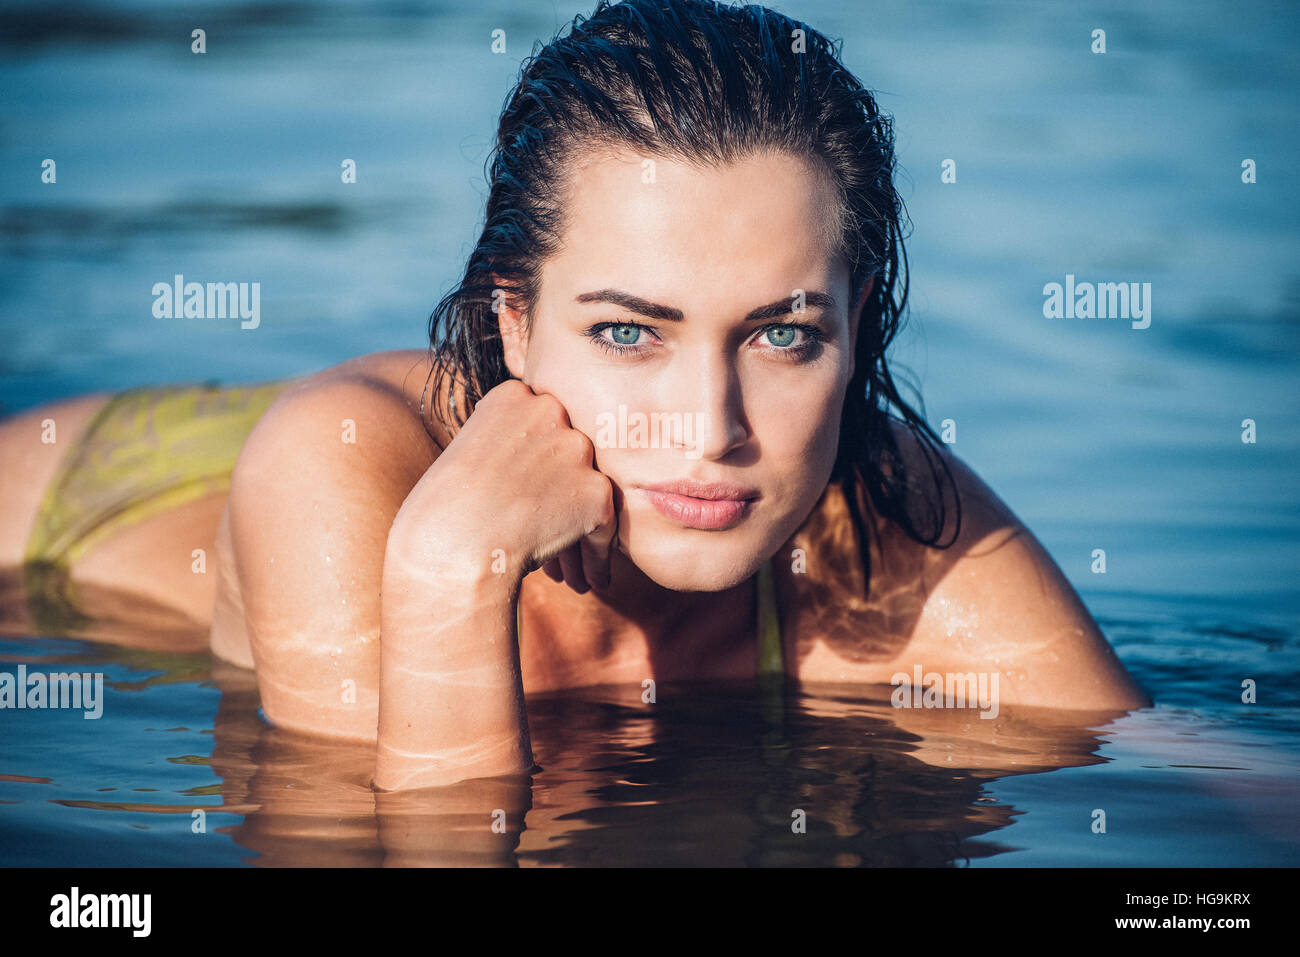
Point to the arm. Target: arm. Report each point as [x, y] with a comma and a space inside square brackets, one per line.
[451, 695]
[1003, 604]
[379, 576]
[451, 703]
[309, 517]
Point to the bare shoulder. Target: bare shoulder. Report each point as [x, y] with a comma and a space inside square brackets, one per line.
[997, 601]
[404, 375]
[313, 495]
[351, 435]
[984, 597]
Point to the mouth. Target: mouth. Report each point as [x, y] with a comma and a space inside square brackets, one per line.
[710, 506]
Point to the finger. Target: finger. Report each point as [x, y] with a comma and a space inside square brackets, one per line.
[571, 562]
[553, 570]
[595, 550]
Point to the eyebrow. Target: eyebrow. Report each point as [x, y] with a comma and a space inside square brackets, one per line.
[654, 310]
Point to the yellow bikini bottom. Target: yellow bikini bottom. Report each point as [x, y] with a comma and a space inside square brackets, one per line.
[146, 451]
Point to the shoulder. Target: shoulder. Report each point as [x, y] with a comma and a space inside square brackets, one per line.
[995, 600]
[398, 382]
[370, 411]
[348, 437]
[984, 597]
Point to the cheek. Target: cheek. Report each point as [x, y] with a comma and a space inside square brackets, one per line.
[590, 391]
[804, 429]
[555, 367]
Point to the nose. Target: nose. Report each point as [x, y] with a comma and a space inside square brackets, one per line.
[718, 413]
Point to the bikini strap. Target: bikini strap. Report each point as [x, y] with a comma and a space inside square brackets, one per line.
[769, 625]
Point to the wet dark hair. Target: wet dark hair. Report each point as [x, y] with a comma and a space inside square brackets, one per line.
[708, 83]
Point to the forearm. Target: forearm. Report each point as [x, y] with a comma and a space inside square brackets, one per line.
[451, 703]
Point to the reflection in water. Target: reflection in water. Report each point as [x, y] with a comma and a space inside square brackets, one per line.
[703, 777]
[709, 775]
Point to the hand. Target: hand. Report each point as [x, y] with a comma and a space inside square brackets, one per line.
[518, 478]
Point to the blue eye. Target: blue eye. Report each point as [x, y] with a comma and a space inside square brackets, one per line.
[625, 335]
[624, 338]
[781, 335]
[782, 344]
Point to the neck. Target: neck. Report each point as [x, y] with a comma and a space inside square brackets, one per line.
[634, 616]
[634, 595]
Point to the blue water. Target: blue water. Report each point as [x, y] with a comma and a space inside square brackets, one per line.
[1119, 167]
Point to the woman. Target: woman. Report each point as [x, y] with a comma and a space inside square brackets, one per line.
[671, 338]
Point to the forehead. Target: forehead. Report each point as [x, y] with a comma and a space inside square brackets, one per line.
[696, 237]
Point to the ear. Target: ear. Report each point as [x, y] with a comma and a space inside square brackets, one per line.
[514, 338]
[855, 321]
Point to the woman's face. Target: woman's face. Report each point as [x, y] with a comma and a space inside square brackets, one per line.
[643, 331]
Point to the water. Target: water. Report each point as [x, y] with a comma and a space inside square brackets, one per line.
[709, 774]
[1122, 167]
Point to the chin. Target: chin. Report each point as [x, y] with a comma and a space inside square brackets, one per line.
[697, 566]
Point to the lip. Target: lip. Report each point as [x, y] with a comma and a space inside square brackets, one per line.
[711, 506]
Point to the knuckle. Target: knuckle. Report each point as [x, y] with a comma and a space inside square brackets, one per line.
[508, 389]
[582, 445]
[552, 410]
